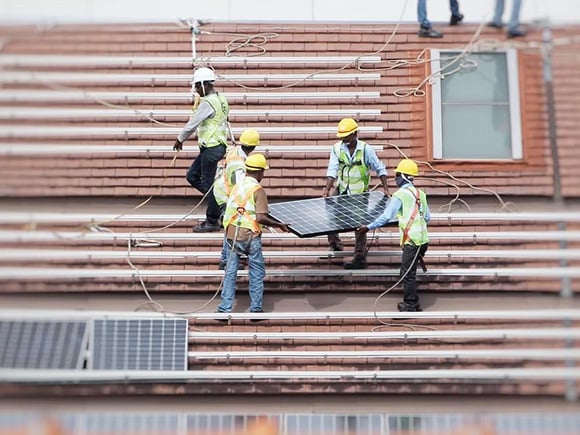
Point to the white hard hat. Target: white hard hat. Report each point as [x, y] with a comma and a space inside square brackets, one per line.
[203, 75]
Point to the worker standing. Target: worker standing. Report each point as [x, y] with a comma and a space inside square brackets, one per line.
[210, 120]
[348, 173]
[232, 173]
[409, 205]
[246, 212]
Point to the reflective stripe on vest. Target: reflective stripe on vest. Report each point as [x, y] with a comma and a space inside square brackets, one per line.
[353, 174]
[226, 174]
[241, 208]
[412, 219]
[213, 131]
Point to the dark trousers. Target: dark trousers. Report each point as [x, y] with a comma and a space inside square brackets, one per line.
[410, 258]
[201, 174]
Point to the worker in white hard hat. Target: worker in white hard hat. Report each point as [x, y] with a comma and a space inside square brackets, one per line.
[210, 120]
[349, 166]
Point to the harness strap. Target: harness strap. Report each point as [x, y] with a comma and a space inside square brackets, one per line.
[412, 218]
[241, 210]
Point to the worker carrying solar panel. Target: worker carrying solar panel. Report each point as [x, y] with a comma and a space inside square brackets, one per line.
[409, 206]
[349, 166]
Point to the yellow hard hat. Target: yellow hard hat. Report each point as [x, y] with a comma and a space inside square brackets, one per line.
[256, 162]
[346, 127]
[408, 167]
[250, 138]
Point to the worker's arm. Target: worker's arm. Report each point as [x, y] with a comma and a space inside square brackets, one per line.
[331, 173]
[264, 219]
[203, 112]
[387, 216]
[372, 161]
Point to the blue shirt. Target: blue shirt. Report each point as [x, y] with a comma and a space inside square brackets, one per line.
[371, 160]
[391, 211]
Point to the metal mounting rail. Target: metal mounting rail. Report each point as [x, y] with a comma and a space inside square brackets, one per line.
[106, 376]
[566, 216]
[451, 254]
[78, 113]
[27, 77]
[48, 236]
[47, 149]
[37, 95]
[44, 60]
[50, 131]
[547, 314]
[472, 334]
[48, 274]
[462, 354]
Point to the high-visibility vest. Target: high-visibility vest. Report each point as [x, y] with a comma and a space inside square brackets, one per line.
[226, 174]
[241, 207]
[353, 174]
[411, 218]
[214, 131]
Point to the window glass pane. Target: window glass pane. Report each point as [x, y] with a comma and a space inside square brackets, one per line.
[485, 82]
[476, 131]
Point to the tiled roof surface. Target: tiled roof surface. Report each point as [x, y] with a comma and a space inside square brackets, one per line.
[44, 111]
[405, 121]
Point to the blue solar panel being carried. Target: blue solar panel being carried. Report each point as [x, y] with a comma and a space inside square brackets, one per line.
[139, 344]
[335, 214]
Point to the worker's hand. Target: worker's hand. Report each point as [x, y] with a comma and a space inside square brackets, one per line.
[325, 193]
[362, 229]
[284, 228]
[178, 145]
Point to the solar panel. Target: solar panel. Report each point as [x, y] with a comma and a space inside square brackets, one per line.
[139, 344]
[42, 344]
[317, 216]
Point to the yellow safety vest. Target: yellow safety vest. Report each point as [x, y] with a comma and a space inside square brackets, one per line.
[225, 176]
[353, 174]
[214, 131]
[241, 207]
[412, 221]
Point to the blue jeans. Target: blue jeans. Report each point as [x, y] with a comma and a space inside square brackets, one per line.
[514, 22]
[257, 271]
[201, 174]
[422, 12]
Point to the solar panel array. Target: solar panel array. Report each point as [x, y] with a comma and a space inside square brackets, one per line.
[42, 344]
[317, 216]
[139, 344]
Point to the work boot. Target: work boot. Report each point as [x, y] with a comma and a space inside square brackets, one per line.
[515, 33]
[336, 247]
[222, 320]
[428, 32]
[495, 25]
[255, 320]
[206, 227]
[455, 19]
[405, 307]
[356, 263]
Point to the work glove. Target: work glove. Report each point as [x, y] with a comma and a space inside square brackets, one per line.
[178, 145]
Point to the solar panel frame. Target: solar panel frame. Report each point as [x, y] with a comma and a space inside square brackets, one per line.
[138, 344]
[43, 345]
[335, 214]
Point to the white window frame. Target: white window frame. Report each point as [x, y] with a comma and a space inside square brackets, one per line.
[514, 101]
